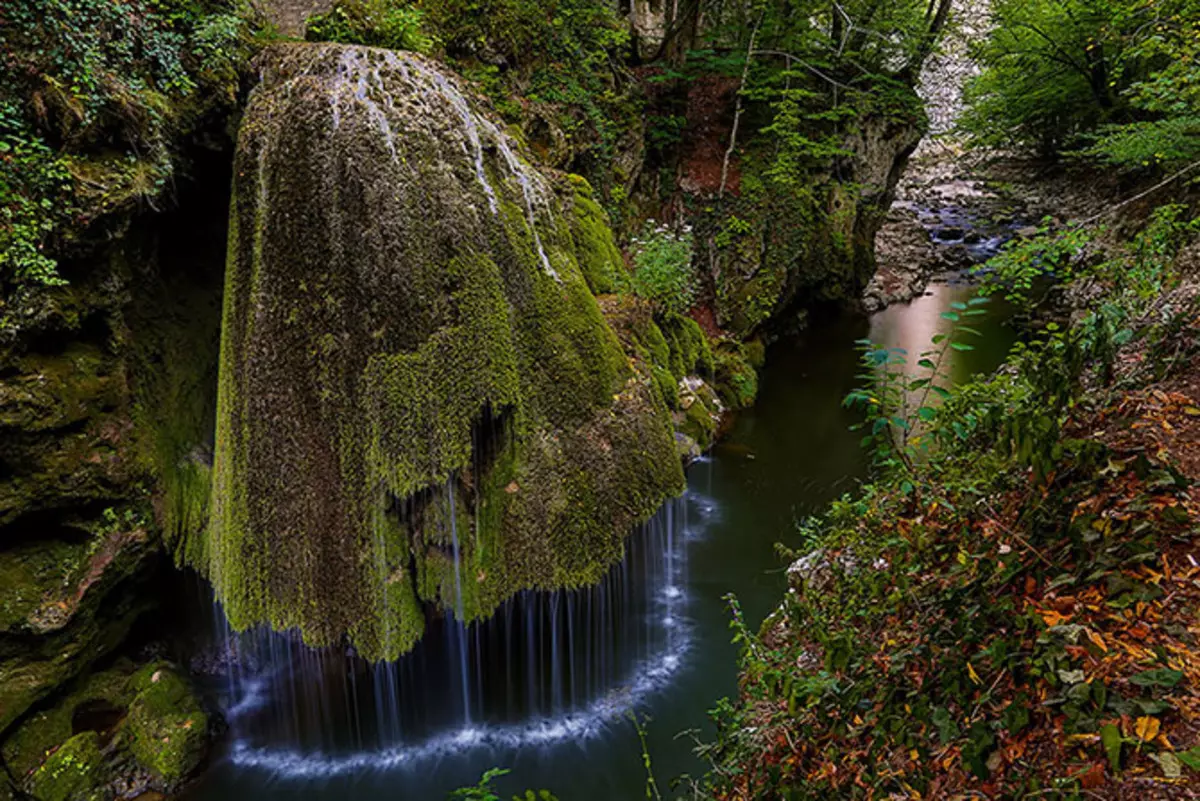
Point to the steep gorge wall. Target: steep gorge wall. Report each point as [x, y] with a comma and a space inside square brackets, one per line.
[778, 230]
[107, 389]
[420, 400]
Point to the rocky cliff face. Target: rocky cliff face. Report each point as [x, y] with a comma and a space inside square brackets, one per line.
[421, 403]
[104, 388]
[773, 249]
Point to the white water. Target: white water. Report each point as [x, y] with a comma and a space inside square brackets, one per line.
[569, 684]
[362, 78]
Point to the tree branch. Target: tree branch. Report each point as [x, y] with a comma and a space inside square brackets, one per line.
[737, 113]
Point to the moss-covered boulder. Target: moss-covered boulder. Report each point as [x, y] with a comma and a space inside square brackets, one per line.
[167, 731]
[65, 604]
[419, 399]
[75, 772]
[96, 703]
[150, 726]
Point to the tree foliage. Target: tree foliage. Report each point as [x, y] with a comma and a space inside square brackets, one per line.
[1117, 81]
[91, 94]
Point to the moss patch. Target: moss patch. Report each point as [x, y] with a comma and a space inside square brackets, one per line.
[39, 734]
[600, 259]
[166, 729]
[72, 773]
[736, 379]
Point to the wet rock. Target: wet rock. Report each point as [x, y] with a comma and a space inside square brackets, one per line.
[64, 606]
[75, 772]
[687, 448]
[168, 730]
[148, 723]
[948, 234]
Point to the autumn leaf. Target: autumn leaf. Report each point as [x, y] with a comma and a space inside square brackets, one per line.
[1146, 728]
[1093, 778]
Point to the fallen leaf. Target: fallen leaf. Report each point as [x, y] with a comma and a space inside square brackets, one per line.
[1146, 728]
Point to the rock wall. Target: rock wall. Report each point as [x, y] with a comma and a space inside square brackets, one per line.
[773, 251]
[289, 16]
[104, 392]
[420, 402]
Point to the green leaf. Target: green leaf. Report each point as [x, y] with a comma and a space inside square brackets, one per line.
[1110, 736]
[951, 316]
[1161, 677]
[927, 413]
[961, 346]
[1172, 768]
[927, 364]
[1190, 757]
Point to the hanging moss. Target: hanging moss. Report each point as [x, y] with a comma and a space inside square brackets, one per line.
[599, 257]
[408, 318]
[688, 350]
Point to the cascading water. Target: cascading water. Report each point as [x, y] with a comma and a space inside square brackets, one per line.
[359, 86]
[549, 666]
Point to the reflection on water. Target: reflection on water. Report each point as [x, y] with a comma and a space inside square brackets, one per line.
[784, 459]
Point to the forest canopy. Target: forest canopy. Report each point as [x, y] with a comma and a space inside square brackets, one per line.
[1115, 81]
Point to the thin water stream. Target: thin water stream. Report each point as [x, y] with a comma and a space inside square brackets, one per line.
[543, 689]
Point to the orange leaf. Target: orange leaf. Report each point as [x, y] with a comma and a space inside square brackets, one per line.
[1147, 728]
[1094, 777]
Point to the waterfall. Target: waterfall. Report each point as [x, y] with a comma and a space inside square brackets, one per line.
[458, 640]
[548, 667]
[359, 80]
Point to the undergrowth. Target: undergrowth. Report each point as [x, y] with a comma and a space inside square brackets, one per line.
[94, 97]
[1010, 609]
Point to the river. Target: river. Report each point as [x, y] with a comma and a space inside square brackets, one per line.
[543, 692]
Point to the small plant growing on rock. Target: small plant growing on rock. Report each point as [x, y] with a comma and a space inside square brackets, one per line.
[662, 268]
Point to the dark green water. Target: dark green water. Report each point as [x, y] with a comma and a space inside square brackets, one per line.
[784, 459]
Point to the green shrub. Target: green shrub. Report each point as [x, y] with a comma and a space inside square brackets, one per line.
[93, 98]
[662, 268]
[377, 23]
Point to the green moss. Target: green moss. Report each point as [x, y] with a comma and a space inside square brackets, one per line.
[599, 257]
[688, 350]
[167, 729]
[736, 379]
[667, 384]
[43, 731]
[70, 604]
[369, 372]
[699, 424]
[72, 773]
[422, 404]
[175, 342]
[31, 575]
[755, 352]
